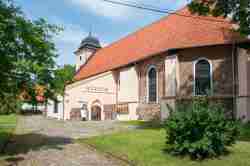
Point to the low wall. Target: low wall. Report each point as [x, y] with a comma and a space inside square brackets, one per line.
[149, 112]
[243, 108]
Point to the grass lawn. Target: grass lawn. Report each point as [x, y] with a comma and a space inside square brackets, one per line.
[7, 125]
[145, 147]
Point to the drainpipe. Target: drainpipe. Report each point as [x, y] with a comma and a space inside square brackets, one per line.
[63, 101]
[117, 75]
[63, 107]
[234, 113]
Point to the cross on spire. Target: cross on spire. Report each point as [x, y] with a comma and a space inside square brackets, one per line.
[90, 30]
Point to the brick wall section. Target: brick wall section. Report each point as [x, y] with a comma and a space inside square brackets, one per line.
[221, 58]
[149, 112]
[142, 68]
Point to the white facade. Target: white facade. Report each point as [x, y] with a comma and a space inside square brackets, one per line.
[82, 57]
[132, 115]
[128, 90]
[171, 75]
[55, 109]
[243, 100]
[171, 86]
[101, 88]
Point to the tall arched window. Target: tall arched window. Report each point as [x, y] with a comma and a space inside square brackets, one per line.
[203, 77]
[152, 84]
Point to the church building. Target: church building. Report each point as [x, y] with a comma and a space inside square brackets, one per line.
[147, 73]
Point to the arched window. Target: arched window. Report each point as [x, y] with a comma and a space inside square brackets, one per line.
[203, 77]
[152, 84]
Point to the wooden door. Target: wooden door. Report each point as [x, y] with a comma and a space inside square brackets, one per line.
[96, 113]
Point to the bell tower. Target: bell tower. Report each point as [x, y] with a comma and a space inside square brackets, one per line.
[88, 48]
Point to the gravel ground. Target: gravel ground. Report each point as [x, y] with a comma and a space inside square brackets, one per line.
[45, 142]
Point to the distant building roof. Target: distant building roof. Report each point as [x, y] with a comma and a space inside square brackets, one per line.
[174, 31]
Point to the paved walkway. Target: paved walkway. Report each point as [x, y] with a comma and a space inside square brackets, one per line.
[42, 142]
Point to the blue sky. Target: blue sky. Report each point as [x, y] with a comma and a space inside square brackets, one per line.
[109, 22]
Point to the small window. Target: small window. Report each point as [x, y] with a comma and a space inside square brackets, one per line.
[80, 58]
[203, 77]
[152, 85]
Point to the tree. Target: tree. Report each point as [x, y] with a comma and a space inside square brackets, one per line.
[62, 76]
[238, 10]
[27, 53]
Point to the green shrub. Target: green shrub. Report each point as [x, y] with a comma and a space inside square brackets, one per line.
[244, 132]
[200, 130]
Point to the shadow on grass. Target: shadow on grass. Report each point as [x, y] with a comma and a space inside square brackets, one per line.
[4, 136]
[22, 144]
[30, 112]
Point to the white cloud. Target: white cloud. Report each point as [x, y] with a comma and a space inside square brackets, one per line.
[106, 9]
[102, 8]
[71, 34]
[68, 41]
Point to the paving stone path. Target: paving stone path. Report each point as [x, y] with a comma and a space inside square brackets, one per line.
[44, 142]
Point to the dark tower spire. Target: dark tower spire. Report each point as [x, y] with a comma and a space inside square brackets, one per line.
[88, 47]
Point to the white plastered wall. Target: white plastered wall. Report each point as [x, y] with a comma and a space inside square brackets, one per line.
[171, 85]
[171, 75]
[128, 88]
[101, 87]
[132, 113]
[82, 56]
[243, 101]
[128, 92]
[51, 109]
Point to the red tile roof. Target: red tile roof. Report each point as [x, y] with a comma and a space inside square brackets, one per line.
[171, 32]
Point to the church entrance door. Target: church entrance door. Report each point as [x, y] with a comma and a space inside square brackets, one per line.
[96, 113]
